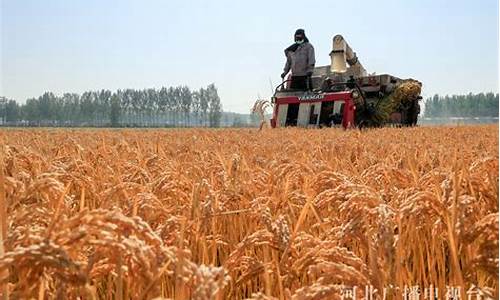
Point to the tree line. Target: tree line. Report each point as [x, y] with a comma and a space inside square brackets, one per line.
[470, 105]
[165, 107]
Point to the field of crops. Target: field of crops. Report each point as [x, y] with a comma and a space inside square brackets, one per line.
[236, 214]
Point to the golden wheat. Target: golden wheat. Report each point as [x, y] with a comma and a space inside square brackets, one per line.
[241, 214]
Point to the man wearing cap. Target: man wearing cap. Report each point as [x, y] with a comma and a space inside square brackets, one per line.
[300, 60]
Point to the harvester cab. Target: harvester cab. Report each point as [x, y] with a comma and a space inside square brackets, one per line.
[344, 95]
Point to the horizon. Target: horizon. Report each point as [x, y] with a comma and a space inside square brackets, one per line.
[90, 45]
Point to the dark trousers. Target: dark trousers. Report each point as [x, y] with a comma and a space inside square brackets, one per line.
[301, 83]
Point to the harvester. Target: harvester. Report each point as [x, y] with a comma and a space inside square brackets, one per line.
[344, 95]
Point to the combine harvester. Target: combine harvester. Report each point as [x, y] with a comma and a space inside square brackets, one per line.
[344, 95]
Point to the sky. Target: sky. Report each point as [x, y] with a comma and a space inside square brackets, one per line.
[79, 45]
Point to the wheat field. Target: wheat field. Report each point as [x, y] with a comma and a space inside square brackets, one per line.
[242, 214]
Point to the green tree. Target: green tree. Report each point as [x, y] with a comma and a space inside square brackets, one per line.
[11, 111]
[215, 106]
[30, 111]
[186, 100]
[204, 102]
[115, 111]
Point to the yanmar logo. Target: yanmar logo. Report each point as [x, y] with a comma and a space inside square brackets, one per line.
[310, 97]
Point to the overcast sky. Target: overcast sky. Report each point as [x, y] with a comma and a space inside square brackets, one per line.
[74, 46]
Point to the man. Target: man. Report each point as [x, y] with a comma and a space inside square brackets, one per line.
[300, 60]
